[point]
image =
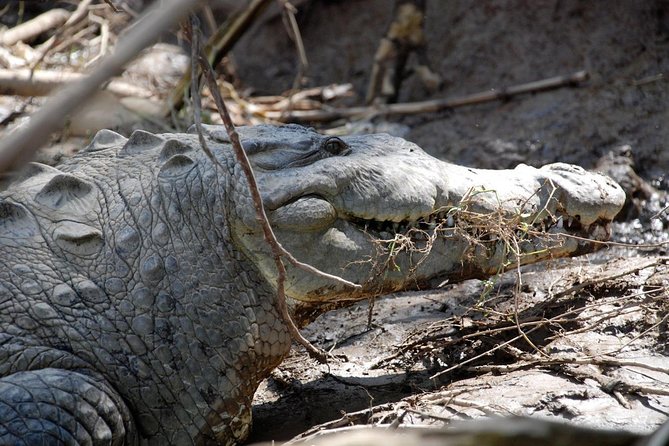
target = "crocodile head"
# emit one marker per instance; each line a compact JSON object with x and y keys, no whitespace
{"x":378,"y":211}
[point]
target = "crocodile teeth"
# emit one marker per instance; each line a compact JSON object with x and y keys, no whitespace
{"x":450,"y":222}
{"x":570,"y":221}
{"x":559,"y":224}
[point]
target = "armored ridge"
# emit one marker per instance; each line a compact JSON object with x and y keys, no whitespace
{"x":137,"y":294}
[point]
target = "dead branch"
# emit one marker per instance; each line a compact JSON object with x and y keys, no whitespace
{"x":19,"y":146}
{"x":9,"y":60}
{"x":361,"y":417}
{"x":75,"y":17}
{"x":278,"y":252}
{"x":431,"y":106}
{"x":112,"y":6}
{"x":547,"y":362}
{"x":293,"y":29}
{"x":104,"y":39}
{"x":219,"y":45}
{"x":81,"y":37}
{"x":27,"y":31}
{"x":405,"y":35}
{"x":599,"y":280}
{"x":43,"y":82}
{"x":610,"y":385}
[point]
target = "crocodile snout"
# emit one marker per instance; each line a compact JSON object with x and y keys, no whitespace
{"x":586,"y":196}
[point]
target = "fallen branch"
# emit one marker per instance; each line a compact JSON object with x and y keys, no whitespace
{"x":18,"y":147}
{"x":434,"y":105}
{"x":405,"y":35}
{"x":43,"y":82}
{"x":610,"y":385}
{"x":75,"y":17}
{"x":294,"y":33}
{"x":546,"y":362}
{"x":27,"y":31}
{"x":361,"y":417}
{"x":219,"y":45}
{"x":598,"y":280}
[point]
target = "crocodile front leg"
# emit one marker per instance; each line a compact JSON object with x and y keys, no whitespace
{"x":55,"y":406}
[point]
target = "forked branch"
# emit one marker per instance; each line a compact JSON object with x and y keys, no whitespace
{"x":278,"y":252}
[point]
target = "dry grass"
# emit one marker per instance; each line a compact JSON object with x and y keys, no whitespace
{"x":507,"y":239}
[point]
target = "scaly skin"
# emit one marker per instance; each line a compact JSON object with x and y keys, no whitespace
{"x":136,"y":293}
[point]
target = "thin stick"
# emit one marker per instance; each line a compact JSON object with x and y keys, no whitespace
{"x":75,"y":17}
{"x":43,"y":82}
{"x":219,"y":45}
{"x":593,"y":360}
{"x":260,"y":208}
{"x":112,"y":6}
{"x":435,"y":105}
{"x":104,"y":38}
{"x":516,"y":299}
{"x":18,"y":147}
{"x":27,"y":31}
{"x":277,"y":250}
{"x":598,"y":280}
{"x":289,"y":12}
{"x":481,"y":355}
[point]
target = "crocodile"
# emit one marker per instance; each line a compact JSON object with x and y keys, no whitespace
{"x":138,"y":299}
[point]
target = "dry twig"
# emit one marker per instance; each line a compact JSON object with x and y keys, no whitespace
{"x":19,"y":146}
{"x":361,"y":417}
{"x":43,"y":82}
{"x":278,"y":252}
{"x":289,"y":12}
{"x":27,"y":31}
{"x":219,"y":45}
{"x":405,"y":35}
{"x":75,"y":17}
{"x":112,"y":5}
{"x":434,"y":105}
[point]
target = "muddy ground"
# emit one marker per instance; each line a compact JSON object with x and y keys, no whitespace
{"x":602,"y":341}
{"x":583,"y":340}
{"x":613,"y":336}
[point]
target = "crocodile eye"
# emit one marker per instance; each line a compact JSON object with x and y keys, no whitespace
{"x":335,"y":146}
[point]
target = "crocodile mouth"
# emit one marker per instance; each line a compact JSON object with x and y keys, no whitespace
{"x":313,"y":212}
{"x":448,"y":221}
